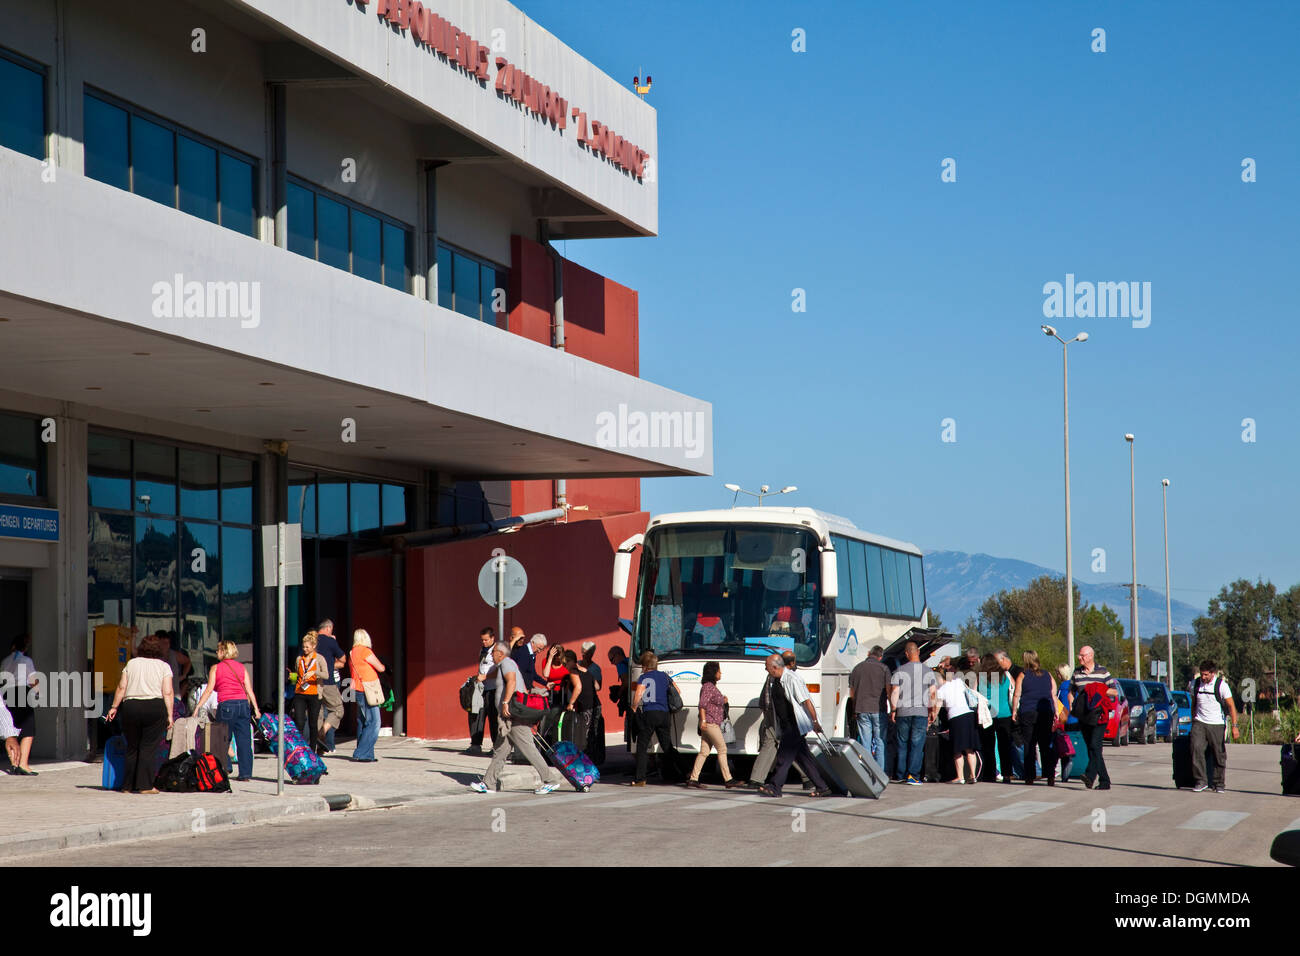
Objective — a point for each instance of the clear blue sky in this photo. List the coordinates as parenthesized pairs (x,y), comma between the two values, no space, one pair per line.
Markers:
(821,171)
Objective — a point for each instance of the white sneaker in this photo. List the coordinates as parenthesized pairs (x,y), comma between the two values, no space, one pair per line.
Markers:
(478,786)
(546,788)
(1200,788)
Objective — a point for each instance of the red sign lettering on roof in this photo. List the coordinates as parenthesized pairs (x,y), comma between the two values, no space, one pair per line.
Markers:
(462,52)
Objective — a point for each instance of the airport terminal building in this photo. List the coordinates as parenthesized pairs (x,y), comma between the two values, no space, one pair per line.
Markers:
(293,260)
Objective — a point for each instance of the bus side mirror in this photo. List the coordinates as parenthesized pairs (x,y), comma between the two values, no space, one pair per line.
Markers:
(830,576)
(622,568)
(623,565)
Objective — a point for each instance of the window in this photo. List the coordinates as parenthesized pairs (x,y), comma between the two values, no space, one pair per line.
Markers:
(150,157)
(347,507)
(445,297)
(302,221)
(196,167)
(365,247)
(875,578)
(22,456)
(918,585)
(332,233)
(153,161)
(107,157)
(22,107)
(470,285)
(238,207)
(348,237)
(397,270)
(193,574)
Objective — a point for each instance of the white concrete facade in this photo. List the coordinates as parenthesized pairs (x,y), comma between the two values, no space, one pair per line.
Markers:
(434,395)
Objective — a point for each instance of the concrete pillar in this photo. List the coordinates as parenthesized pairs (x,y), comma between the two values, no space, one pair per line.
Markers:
(60,640)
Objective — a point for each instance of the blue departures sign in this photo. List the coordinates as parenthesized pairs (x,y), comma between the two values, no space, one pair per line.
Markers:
(31,524)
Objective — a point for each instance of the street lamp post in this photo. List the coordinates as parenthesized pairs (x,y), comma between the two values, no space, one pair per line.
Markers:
(1169,614)
(1069,561)
(1133,604)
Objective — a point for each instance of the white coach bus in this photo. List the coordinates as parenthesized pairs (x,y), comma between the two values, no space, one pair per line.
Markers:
(734,585)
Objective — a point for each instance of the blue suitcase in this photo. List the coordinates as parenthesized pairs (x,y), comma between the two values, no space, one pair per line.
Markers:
(114,775)
(303,765)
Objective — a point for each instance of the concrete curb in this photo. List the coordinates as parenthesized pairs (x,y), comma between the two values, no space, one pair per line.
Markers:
(100,834)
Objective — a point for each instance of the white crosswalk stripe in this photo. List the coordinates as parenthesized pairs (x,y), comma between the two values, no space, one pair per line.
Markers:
(872,836)
(1119,815)
(823,804)
(923,808)
(1022,810)
(724,803)
(642,801)
(1214,820)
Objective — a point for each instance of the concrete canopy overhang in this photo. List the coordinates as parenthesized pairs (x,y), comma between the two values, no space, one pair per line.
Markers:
(81,266)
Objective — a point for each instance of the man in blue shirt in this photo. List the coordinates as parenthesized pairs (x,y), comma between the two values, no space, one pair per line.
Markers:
(331,699)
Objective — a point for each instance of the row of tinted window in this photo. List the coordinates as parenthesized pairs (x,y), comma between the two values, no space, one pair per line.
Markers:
(471,286)
(22,457)
(149,478)
(348,237)
(334,505)
(150,158)
(877,580)
(22,106)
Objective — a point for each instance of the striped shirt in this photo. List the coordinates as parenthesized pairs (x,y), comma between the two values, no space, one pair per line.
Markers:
(1080,678)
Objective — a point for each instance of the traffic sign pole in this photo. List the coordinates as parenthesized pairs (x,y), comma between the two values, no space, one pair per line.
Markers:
(501,599)
(279,681)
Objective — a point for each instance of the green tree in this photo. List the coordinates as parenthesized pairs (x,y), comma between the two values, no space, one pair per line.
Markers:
(1237,629)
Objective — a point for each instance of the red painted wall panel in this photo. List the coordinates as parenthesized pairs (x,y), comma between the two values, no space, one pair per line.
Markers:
(569,571)
(372,607)
(601,324)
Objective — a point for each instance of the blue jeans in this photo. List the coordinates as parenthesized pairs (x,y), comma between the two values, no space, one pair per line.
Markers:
(870,735)
(236,715)
(911,745)
(367,730)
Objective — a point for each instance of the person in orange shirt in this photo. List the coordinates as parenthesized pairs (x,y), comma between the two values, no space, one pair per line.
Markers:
(366,668)
(311,669)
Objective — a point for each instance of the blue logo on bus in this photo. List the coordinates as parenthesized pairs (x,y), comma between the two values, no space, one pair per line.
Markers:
(851,636)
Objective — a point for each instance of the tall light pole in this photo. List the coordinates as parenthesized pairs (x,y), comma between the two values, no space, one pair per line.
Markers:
(1133,604)
(1069,561)
(1169,614)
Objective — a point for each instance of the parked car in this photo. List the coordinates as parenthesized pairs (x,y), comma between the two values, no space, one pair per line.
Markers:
(1166,711)
(1142,711)
(1184,702)
(1119,727)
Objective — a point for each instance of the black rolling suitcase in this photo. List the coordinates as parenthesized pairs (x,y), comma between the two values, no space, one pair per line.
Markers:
(1184,776)
(850,766)
(1290,771)
(939,765)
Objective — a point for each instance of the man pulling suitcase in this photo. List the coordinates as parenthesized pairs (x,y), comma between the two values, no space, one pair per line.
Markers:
(1210,696)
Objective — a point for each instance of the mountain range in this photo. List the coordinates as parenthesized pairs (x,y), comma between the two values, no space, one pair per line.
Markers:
(957,583)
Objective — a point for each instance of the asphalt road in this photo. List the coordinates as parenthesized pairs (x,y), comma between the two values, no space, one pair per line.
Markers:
(1142,821)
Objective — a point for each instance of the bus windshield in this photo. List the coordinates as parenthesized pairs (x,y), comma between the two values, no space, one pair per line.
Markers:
(724,590)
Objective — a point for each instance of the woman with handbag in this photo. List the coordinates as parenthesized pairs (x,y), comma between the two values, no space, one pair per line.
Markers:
(712,713)
(963,725)
(366,668)
(1035,706)
(236,703)
(579,701)
(651,703)
(306,693)
(144,695)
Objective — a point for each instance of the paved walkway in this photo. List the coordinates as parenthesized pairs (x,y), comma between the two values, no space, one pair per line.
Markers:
(65,805)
